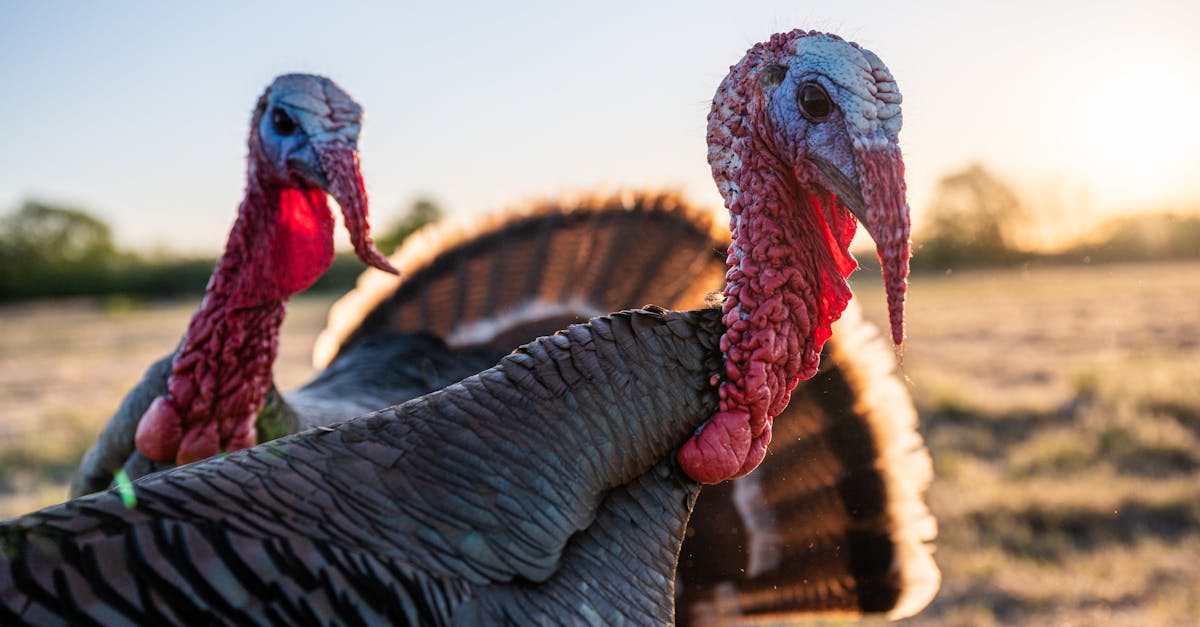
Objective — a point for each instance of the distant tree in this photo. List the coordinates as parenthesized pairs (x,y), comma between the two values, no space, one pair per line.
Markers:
(422,211)
(44,236)
(975,219)
(47,251)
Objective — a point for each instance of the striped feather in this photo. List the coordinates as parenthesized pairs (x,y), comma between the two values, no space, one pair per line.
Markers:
(504,280)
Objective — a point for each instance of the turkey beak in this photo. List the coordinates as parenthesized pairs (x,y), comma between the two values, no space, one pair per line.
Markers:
(308,170)
(877,199)
(842,186)
(342,179)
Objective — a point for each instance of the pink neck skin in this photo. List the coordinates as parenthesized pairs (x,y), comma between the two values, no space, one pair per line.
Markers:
(281,243)
(782,297)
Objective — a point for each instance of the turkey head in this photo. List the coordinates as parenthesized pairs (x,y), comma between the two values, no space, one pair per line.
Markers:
(302,148)
(304,145)
(802,141)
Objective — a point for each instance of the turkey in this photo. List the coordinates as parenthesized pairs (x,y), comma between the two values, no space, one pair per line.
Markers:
(202,399)
(802,140)
(570,436)
(839,527)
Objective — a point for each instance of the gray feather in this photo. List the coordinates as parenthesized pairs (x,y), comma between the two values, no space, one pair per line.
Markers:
(407,500)
(114,445)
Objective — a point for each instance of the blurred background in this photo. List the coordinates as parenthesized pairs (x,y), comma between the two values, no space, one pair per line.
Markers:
(1053,165)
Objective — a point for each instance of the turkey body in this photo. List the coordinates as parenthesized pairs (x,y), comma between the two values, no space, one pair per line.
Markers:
(838,527)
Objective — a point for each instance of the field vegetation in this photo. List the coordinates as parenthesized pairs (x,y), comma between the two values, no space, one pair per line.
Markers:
(1062,409)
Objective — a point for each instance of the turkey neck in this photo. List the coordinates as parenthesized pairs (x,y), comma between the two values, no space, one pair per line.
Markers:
(780,302)
(280,244)
(784,289)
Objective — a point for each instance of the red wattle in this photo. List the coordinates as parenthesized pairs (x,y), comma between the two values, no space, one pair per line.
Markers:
(716,453)
(159,431)
(200,442)
(301,245)
(786,288)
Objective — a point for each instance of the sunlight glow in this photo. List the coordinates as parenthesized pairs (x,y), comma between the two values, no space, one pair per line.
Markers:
(1138,133)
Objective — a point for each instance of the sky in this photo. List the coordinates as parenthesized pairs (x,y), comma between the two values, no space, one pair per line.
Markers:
(138,111)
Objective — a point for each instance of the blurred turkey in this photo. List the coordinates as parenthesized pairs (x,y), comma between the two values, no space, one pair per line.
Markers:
(465,502)
(204,398)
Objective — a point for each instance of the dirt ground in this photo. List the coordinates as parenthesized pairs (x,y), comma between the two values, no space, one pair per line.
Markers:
(1061,406)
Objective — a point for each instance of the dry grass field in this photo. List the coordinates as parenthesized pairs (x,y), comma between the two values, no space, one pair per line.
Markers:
(1061,405)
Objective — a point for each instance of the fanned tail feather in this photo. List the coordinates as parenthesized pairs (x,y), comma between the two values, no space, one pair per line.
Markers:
(504,280)
(834,521)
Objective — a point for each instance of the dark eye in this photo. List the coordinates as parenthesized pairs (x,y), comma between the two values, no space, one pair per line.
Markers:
(815,102)
(282,122)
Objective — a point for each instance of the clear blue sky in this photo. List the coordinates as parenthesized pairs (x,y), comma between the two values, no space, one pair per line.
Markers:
(139,111)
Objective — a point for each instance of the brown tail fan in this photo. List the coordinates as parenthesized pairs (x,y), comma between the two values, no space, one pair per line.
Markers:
(505,280)
(834,521)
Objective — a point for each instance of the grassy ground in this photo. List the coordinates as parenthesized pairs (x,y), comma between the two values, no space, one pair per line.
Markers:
(66,365)
(1061,405)
(1062,409)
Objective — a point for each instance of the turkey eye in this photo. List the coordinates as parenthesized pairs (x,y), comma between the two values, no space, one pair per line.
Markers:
(815,102)
(282,122)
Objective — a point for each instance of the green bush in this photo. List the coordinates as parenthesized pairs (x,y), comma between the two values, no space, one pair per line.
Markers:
(51,252)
